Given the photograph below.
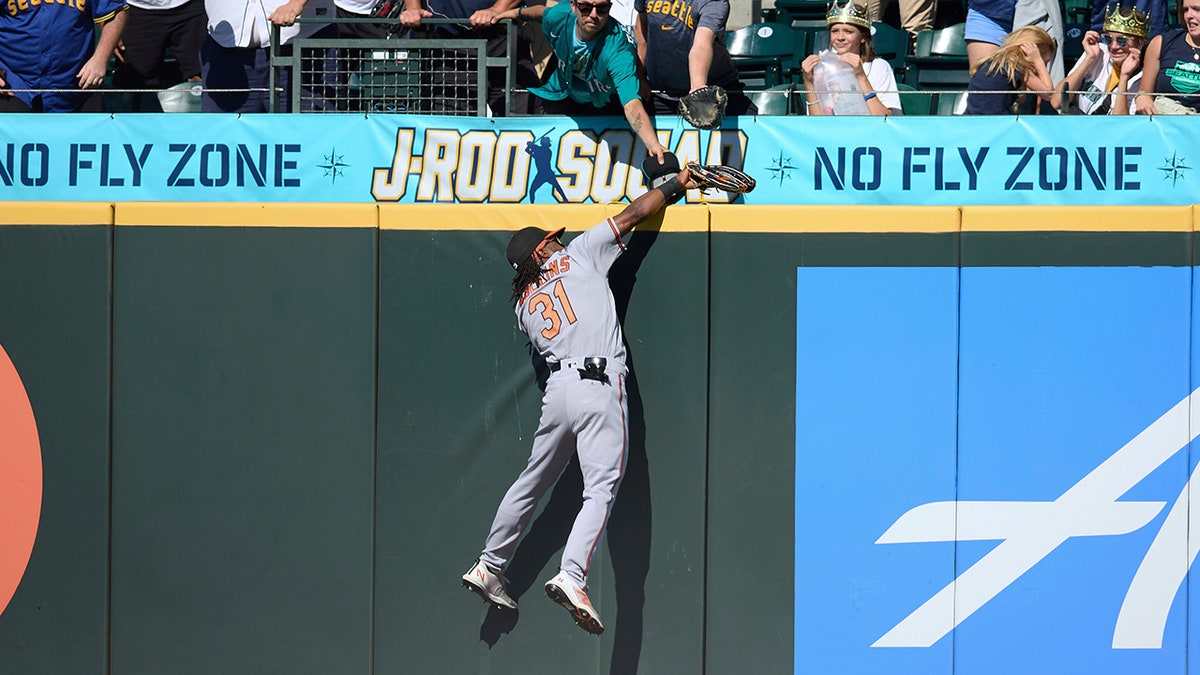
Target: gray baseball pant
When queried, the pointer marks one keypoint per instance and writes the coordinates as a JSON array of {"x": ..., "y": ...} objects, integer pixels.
[{"x": 578, "y": 416}]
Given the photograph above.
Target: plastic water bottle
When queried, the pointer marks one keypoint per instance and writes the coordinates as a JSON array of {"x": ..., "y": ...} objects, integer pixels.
[{"x": 837, "y": 87}]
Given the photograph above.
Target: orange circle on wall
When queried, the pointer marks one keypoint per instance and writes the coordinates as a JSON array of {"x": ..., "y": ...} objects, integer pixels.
[{"x": 20, "y": 480}]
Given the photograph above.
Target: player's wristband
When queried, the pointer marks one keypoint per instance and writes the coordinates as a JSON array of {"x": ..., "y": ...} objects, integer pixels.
[
  {"x": 669, "y": 188},
  {"x": 868, "y": 97}
]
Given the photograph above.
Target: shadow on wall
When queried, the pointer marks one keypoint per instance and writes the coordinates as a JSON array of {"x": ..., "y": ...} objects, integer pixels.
[{"x": 629, "y": 526}]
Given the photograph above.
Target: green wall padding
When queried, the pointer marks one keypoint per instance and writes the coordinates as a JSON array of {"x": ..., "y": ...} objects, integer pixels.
[
  {"x": 54, "y": 324},
  {"x": 243, "y": 450}
]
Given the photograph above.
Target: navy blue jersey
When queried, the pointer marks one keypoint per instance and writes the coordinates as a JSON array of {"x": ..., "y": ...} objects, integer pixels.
[{"x": 44, "y": 44}]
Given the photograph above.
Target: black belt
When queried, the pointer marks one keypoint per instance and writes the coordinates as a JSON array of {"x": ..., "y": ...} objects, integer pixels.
[{"x": 593, "y": 367}]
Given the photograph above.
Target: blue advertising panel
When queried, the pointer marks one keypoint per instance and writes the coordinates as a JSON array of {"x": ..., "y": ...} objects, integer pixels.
[
  {"x": 431, "y": 159},
  {"x": 1191, "y": 497},
  {"x": 1073, "y": 427},
  {"x": 1037, "y": 525},
  {"x": 875, "y": 405}
]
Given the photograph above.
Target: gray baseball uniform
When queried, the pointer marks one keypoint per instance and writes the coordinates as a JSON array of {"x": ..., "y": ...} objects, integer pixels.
[{"x": 570, "y": 316}]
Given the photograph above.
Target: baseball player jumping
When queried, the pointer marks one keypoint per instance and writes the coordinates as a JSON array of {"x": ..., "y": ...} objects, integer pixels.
[{"x": 564, "y": 304}]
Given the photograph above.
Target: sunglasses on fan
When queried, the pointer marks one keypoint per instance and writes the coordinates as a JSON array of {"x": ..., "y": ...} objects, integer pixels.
[
  {"x": 1121, "y": 40},
  {"x": 586, "y": 8}
]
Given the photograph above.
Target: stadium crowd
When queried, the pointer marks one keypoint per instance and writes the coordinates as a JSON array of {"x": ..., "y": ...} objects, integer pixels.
[{"x": 630, "y": 58}]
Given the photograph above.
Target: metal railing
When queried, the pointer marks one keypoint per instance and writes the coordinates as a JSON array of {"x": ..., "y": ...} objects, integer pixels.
[
  {"x": 419, "y": 74},
  {"x": 405, "y": 73}
]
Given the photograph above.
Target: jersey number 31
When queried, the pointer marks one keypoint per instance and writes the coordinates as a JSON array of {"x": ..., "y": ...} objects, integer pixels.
[{"x": 542, "y": 302}]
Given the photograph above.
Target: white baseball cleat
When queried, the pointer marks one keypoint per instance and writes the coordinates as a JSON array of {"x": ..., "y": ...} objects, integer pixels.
[
  {"x": 566, "y": 591},
  {"x": 488, "y": 585}
]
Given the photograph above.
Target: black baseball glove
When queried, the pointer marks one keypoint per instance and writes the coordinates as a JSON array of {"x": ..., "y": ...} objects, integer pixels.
[
  {"x": 720, "y": 177},
  {"x": 704, "y": 108},
  {"x": 387, "y": 9}
]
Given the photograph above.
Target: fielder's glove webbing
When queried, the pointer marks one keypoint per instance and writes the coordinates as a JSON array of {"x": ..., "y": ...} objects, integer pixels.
[
  {"x": 720, "y": 177},
  {"x": 704, "y": 108}
]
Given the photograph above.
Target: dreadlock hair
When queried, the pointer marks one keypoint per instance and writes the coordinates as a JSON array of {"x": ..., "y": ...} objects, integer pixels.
[{"x": 529, "y": 272}]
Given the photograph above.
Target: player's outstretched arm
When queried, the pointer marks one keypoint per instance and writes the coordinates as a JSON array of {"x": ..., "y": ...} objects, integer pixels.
[{"x": 655, "y": 198}]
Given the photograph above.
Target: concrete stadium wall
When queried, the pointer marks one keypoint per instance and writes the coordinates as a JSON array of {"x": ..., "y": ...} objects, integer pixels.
[{"x": 272, "y": 435}]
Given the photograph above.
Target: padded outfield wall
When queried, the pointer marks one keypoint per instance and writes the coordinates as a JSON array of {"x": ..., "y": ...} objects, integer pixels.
[
  {"x": 291, "y": 453},
  {"x": 273, "y": 435}
]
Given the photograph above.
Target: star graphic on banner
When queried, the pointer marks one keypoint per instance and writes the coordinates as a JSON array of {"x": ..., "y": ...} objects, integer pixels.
[
  {"x": 1174, "y": 168},
  {"x": 333, "y": 165},
  {"x": 781, "y": 168}
]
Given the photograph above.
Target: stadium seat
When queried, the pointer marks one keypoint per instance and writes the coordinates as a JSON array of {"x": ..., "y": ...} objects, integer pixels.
[
  {"x": 1077, "y": 11},
  {"x": 788, "y": 11},
  {"x": 809, "y": 40},
  {"x": 763, "y": 53},
  {"x": 949, "y": 103},
  {"x": 942, "y": 42},
  {"x": 891, "y": 43},
  {"x": 919, "y": 103},
  {"x": 389, "y": 80},
  {"x": 939, "y": 59},
  {"x": 774, "y": 101},
  {"x": 1072, "y": 44}
]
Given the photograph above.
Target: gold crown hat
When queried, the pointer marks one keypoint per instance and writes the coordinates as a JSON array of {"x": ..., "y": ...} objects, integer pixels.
[
  {"x": 855, "y": 15},
  {"x": 1131, "y": 22}
]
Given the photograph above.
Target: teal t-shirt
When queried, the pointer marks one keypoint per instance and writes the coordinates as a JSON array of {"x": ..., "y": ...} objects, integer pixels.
[{"x": 590, "y": 71}]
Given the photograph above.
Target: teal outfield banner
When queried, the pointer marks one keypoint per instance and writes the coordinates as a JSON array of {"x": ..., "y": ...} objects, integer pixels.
[{"x": 425, "y": 159}]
